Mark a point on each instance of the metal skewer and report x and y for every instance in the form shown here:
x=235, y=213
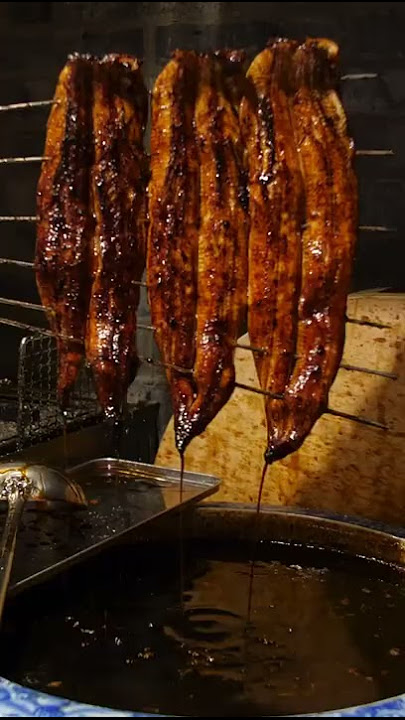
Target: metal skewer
x=29, y=104
x=368, y=323
x=34, y=218
x=26, y=326
x=359, y=76
x=252, y=348
x=259, y=391
x=375, y=228
x=374, y=153
x=18, y=218
x=40, y=158
x=19, y=263
x=241, y=346
x=44, y=331
x=24, y=263
x=328, y=411
x=152, y=361
x=343, y=366
x=355, y=418
x=24, y=304
x=380, y=373
x=27, y=159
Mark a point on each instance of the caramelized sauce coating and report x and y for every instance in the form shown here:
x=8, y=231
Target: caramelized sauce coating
x=222, y=243
x=174, y=215
x=328, y=240
x=303, y=206
x=65, y=224
x=277, y=207
x=197, y=249
x=118, y=193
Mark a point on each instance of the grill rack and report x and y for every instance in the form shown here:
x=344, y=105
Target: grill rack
x=38, y=412
x=29, y=410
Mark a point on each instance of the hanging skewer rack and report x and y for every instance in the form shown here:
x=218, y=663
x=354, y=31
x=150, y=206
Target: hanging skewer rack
x=38, y=409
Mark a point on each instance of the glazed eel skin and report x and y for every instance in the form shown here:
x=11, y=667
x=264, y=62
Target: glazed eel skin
x=328, y=240
x=197, y=248
x=65, y=225
x=118, y=195
x=173, y=228
x=320, y=255
x=223, y=234
x=277, y=207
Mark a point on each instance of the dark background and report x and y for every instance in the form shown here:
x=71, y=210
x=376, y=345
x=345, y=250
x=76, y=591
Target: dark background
x=36, y=37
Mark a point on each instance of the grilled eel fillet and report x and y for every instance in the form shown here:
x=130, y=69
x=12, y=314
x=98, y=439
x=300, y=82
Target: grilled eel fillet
x=64, y=224
x=118, y=187
x=198, y=233
x=174, y=207
x=328, y=239
x=277, y=206
x=321, y=254
x=223, y=233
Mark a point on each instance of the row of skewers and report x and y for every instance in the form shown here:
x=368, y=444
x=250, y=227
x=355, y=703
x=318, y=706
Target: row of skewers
x=248, y=203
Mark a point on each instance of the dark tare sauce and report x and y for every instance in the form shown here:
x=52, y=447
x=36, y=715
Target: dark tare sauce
x=324, y=631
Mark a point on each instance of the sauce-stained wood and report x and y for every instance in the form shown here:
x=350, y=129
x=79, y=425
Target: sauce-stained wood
x=343, y=466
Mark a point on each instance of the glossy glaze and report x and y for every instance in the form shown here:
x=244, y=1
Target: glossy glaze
x=64, y=224
x=197, y=251
x=277, y=206
x=118, y=189
x=303, y=205
x=328, y=242
x=222, y=249
x=173, y=231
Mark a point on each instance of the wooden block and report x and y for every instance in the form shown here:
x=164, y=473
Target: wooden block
x=342, y=466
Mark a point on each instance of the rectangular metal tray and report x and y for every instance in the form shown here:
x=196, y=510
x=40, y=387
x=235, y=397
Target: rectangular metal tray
x=123, y=495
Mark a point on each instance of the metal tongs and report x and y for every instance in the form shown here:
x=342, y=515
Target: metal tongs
x=47, y=488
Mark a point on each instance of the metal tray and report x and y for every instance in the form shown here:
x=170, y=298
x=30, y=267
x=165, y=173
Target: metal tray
x=123, y=495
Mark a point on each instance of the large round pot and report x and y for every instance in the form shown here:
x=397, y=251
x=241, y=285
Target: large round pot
x=352, y=536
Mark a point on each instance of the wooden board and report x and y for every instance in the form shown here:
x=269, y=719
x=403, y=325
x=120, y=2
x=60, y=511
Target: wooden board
x=343, y=466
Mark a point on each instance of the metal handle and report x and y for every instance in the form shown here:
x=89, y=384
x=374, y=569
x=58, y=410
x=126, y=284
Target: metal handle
x=16, y=502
